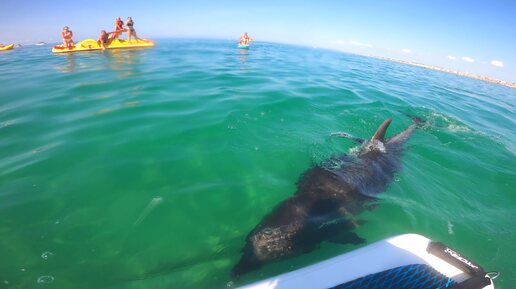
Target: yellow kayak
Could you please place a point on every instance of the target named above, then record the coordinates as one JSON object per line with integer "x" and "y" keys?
{"x": 90, "y": 45}
{"x": 7, "y": 47}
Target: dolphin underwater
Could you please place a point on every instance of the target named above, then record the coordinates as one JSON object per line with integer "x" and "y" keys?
{"x": 328, "y": 198}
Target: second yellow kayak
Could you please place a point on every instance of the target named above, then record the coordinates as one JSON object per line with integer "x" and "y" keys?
{"x": 90, "y": 45}
{"x": 7, "y": 47}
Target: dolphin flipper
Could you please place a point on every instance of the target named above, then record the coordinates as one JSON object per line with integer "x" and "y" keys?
{"x": 348, "y": 136}
{"x": 339, "y": 231}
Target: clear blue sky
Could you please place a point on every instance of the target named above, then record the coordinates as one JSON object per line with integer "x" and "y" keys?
{"x": 478, "y": 36}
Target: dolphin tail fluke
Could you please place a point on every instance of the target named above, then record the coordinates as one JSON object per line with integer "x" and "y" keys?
{"x": 419, "y": 121}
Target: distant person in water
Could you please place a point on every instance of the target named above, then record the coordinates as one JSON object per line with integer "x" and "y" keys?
{"x": 130, "y": 29}
{"x": 104, "y": 39}
{"x": 67, "y": 35}
{"x": 119, "y": 28}
{"x": 244, "y": 40}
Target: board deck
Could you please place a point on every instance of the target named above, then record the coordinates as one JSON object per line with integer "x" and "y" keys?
{"x": 380, "y": 256}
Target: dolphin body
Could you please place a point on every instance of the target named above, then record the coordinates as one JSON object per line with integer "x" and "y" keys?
{"x": 327, "y": 199}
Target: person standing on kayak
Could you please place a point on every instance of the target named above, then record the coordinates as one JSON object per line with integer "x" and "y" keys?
{"x": 244, "y": 40}
{"x": 130, "y": 29}
{"x": 119, "y": 28}
{"x": 67, "y": 35}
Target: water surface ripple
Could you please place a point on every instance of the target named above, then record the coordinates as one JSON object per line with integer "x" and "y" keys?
{"x": 148, "y": 168}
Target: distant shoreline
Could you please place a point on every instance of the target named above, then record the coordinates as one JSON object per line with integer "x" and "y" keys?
{"x": 467, "y": 74}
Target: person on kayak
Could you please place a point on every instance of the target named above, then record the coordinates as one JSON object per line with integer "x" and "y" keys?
{"x": 130, "y": 29}
{"x": 104, "y": 39}
{"x": 67, "y": 35}
{"x": 244, "y": 40}
{"x": 119, "y": 28}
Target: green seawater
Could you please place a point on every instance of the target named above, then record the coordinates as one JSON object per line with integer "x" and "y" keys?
{"x": 148, "y": 168}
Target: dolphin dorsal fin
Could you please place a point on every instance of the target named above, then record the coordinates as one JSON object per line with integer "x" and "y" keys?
{"x": 382, "y": 129}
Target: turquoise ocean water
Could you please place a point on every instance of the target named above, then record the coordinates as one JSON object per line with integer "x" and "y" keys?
{"x": 148, "y": 168}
